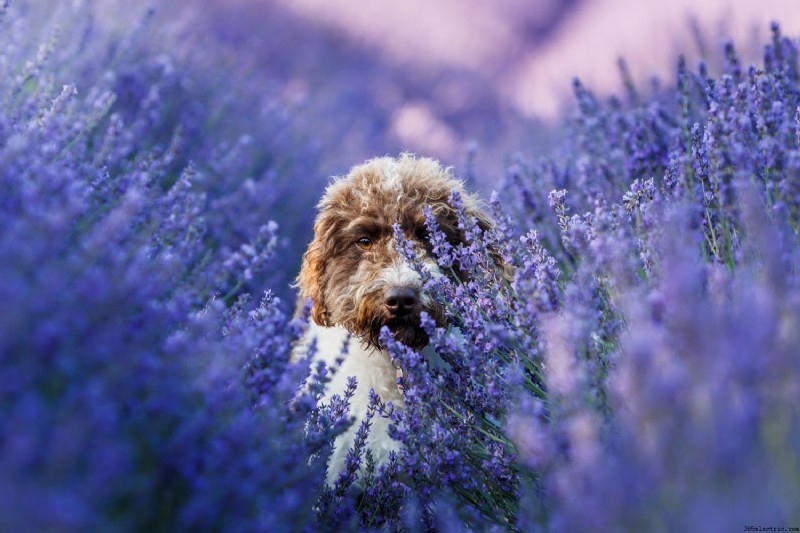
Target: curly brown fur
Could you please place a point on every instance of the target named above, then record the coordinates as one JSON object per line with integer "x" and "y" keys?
{"x": 346, "y": 282}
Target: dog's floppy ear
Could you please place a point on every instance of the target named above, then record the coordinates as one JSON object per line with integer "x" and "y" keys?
{"x": 311, "y": 272}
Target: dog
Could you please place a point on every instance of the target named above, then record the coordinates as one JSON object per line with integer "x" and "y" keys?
{"x": 358, "y": 282}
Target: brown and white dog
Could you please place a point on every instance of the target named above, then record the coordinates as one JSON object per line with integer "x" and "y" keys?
{"x": 358, "y": 282}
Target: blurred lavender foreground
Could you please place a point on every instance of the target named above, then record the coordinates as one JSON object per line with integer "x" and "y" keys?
{"x": 640, "y": 372}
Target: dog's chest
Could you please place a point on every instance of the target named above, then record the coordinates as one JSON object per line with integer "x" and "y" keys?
{"x": 371, "y": 367}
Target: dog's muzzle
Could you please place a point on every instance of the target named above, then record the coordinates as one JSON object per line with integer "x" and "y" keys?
{"x": 401, "y": 314}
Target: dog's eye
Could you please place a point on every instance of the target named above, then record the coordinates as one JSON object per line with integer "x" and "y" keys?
{"x": 364, "y": 243}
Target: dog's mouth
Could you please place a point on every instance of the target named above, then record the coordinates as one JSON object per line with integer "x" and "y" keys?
{"x": 406, "y": 330}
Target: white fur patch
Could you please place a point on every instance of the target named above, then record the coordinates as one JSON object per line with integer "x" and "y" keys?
{"x": 372, "y": 369}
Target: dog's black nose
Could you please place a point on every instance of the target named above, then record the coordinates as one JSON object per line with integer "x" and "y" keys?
{"x": 400, "y": 301}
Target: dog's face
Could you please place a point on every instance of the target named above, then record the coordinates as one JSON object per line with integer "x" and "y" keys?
{"x": 352, "y": 270}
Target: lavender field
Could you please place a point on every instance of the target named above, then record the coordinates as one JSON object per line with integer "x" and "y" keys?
{"x": 640, "y": 372}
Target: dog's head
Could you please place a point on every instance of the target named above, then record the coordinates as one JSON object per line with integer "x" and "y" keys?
{"x": 352, "y": 270}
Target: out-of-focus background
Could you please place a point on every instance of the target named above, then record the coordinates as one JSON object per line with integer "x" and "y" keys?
{"x": 433, "y": 76}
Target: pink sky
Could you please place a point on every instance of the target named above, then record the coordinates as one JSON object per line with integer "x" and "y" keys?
{"x": 477, "y": 34}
